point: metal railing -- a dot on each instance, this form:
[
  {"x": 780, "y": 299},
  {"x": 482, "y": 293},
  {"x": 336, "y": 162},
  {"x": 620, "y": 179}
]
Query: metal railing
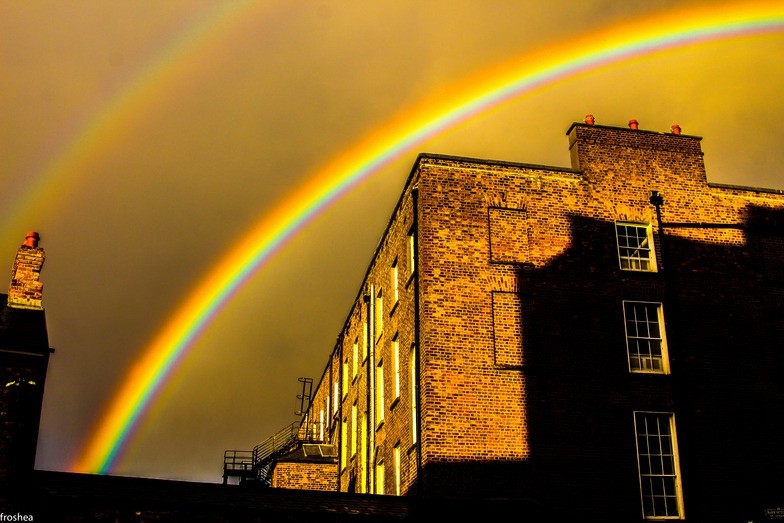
[
  {"x": 237, "y": 463},
  {"x": 255, "y": 465},
  {"x": 264, "y": 452}
]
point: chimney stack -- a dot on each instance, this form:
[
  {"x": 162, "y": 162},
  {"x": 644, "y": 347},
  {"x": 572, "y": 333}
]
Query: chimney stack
[{"x": 25, "y": 290}]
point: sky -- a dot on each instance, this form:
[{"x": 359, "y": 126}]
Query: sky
[{"x": 143, "y": 139}]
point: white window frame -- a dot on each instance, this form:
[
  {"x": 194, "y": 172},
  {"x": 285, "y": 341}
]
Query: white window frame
[
  {"x": 379, "y": 392},
  {"x": 658, "y": 464},
  {"x": 345, "y": 379},
  {"x": 397, "y": 469},
  {"x": 630, "y": 256},
  {"x": 355, "y": 359},
  {"x": 353, "y": 430},
  {"x": 363, "y": 453},
  {"x": 379, "y": 314},
  {"x": 637, "y": 338},
  {"x": 411, "y": 240},
  {"x": 393, "y": 276},
  {"x": 380, "y": 477},
  {"x": 396, "y": 352},
  {"x": 343, "y": 444},
  {"x": 412, "y": 388}
]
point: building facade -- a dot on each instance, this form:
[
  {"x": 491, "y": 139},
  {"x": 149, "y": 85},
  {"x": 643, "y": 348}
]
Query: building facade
[
  {"x": 24, "y": 358},
  {"x": 603, "y": 340}
]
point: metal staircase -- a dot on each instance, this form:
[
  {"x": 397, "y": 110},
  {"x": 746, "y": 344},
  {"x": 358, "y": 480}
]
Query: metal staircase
[
  {"x": 276, "y": 445},
  {"x": 255, "y": 465}
]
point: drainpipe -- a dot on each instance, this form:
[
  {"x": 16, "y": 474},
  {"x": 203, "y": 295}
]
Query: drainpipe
[
  {"x": 341, "y": 458},
  {"x": 372, "y": 380},
  {"x": 657, "y": 200},
  {"x": 369, "y": 400},
  {"x": 417, "y": 339}
]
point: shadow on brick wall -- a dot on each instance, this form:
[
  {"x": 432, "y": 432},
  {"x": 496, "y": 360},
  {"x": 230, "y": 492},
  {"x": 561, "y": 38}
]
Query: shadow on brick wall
[{"x": 723, "y": 317}]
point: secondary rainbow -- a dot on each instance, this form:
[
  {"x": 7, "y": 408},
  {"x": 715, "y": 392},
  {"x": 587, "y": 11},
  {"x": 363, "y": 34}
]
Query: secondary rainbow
[
  {"x": 437, "y": 113},
  {"x": 114, "y": 118}
]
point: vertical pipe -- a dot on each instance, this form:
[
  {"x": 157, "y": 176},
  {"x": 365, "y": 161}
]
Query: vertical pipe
[
  {"x": 657, "y": 200},
  {"x": 369, "y": 402},
  {"x": 372, "y": 380},
  {"x": 339, "y": 400},
  {"x": 417, "y": 340}
]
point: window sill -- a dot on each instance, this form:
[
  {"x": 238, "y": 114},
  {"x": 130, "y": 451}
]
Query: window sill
[
  {"x": 649, "y": 372},
  {"x": 644, "y": 271},
  {"x": 394, "y": 402},
  {"x": 394, "y": 307}
]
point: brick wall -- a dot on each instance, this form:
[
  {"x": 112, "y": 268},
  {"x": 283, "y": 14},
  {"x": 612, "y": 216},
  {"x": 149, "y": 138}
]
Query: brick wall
[
  {"x": 527, "y": 386},
  {"x": 306, "y": 476},
  {"x": 25, "y": 290}
]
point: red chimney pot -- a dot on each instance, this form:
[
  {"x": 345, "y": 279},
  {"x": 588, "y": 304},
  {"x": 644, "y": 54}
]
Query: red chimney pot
[
  {"x": 31, "y": 240},
  {"x": 633, "y": 124},
  {"x": 676, "y": 129},
  {"x": 589, "y": 119}
]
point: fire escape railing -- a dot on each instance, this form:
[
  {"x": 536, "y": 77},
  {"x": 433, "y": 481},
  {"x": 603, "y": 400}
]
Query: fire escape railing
[
  {"x": 237, "y": 463},
  {"x": 255, "y": 465}
]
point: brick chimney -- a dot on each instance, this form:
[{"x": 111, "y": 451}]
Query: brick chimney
[
  {"x": 25, "y": 291},
  {"x": 615, "y": 156}
]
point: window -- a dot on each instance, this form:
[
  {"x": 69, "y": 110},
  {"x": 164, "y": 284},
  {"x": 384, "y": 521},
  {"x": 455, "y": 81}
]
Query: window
[
  {"x": 363, "y": 454},
  {"x": 354, "y": 430},
  {"x": 345, "y": 377},
  {"x": 393, "y": 275},
  {"x": 355, "y": 358},
  {"x": 397, "y": 469},
  {"x": 396, "y": 350},
  {"x": 645, "y": 337},
  {"x": 343, "y": 434},
  {"x": 380, "y": 477},
  {"x": 379, "y": 314},
  {"x": 321, "y": 425},
  {"x": 335, "y": 402},
  {"x": 364, "y": 340},
  {"x": 635, "y": 246},
  {"x": 380, "y": 392},
  {"x": 412, "y": 388},
  {"x": 411, "y": 251},
  {"x": 657, "y": 458}
]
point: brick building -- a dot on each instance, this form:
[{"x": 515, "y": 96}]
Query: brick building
[
  {"x": 24, "y": 358},
  {"x": 604, "y": 340}
]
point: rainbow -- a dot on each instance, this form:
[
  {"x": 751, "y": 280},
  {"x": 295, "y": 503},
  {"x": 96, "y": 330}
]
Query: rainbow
[
  {"x": 444, "y": 110},
  {"x": 113, "y": 120}
]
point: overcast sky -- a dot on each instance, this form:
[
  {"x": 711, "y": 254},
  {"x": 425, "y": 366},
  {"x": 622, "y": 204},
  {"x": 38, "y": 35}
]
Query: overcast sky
[{"x": 233, "y": 123}]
